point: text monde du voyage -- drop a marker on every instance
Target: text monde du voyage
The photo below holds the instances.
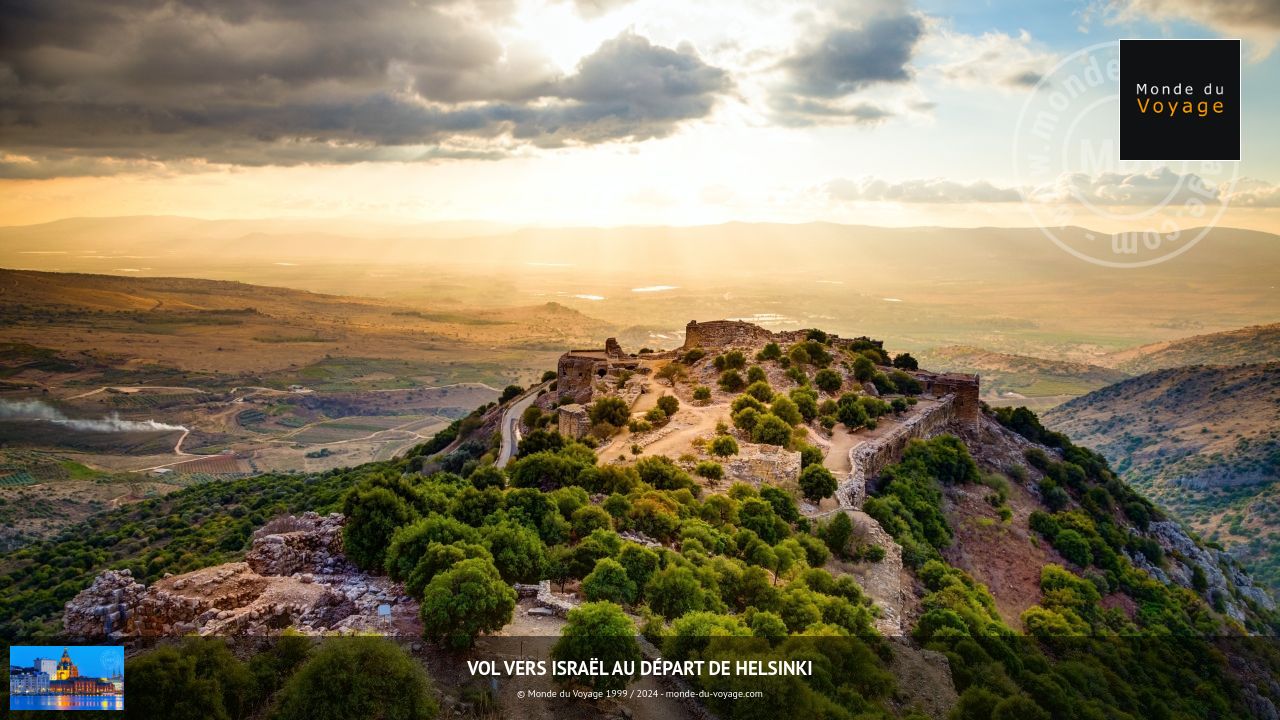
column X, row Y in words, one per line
column 1179, row 99
column 643, row 668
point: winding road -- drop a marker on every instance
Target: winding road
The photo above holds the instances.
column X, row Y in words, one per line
column 511, row 420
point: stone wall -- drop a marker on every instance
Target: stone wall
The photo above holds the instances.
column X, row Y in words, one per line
column 577, row 372
column 869, row 458
column 963, row 386
column 294, row 576
column 572, row 421
column 760, row 465
column 716, row 334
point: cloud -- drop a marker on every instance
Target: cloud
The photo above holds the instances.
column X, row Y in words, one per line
column 1159, row 186
column 1254, row 20
column 992, row 59
column 821, row 76
column 1252, row 193
column 284, row 83
column 849, row 59
column 934, row 190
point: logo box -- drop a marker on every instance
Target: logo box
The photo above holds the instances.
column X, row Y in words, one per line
column 1180, row 100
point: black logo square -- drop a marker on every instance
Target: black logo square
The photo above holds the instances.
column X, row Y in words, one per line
column 1180, row 99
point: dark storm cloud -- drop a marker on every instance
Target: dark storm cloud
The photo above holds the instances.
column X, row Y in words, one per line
column 844, row 61
column 849, row 59
column 86, row 84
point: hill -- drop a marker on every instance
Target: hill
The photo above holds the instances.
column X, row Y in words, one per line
column 1254, row 344
column 1201, row 440
column 1020, row 379
column 934, row 557
column 1009, row 290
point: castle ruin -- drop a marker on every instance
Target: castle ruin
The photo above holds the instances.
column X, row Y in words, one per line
column 578, row 370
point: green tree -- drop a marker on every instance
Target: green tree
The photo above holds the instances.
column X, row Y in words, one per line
column 198, row 679
column 510, row 392
column 609, row 581
column 724, row 446
column 760, row 390
column 702, row 393
column 817, row 482
column 828, row 381
column 357, row 677
column 1073, row 547
column 731, row 381
column 439, row 557
column 904, row 361
column 487, row 476
column 709, row 470
column 863, row 368
column 598, row 631
column 518, row 553
column 785, row 408
column 410, row 542
column 771, row 430
column 669, row 404
column 589, row 518
column 373, row 515
column 756, row 374
column 461, row 603
column 770, row 351
column 675, row 591
column 610, row 409
column 836, row 534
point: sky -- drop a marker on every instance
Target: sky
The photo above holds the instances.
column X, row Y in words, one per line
column 90, row 660
column 602, row 112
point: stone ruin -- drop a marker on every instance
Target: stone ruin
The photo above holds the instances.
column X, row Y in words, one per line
column 294, row 575
column 578, row 371
column 572, row 421
column 718, row 335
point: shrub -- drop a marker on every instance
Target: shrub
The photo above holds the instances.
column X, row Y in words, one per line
column 461, row 603
column 709, row 470
column 755, row 374
column 863, row 368
column 611, row 410
column 598, row 631
column 724, row 446
column 771, row 430
column 770, row 351
column 702, row 393
column 655, row 416
column 817, row 482
column 609, row 581
column 731, row 381
column 662, row 473
column 399, row 690
column 760, row 391
column 828, row 381
column 373, row 515
column 487, row 476
column 669, row 404
column 510, row 392
column 437, row 558
column 1074, row 547
column 785, row 408
column 905, row 362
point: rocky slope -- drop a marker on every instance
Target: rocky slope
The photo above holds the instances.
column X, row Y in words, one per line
column 1201, row 441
